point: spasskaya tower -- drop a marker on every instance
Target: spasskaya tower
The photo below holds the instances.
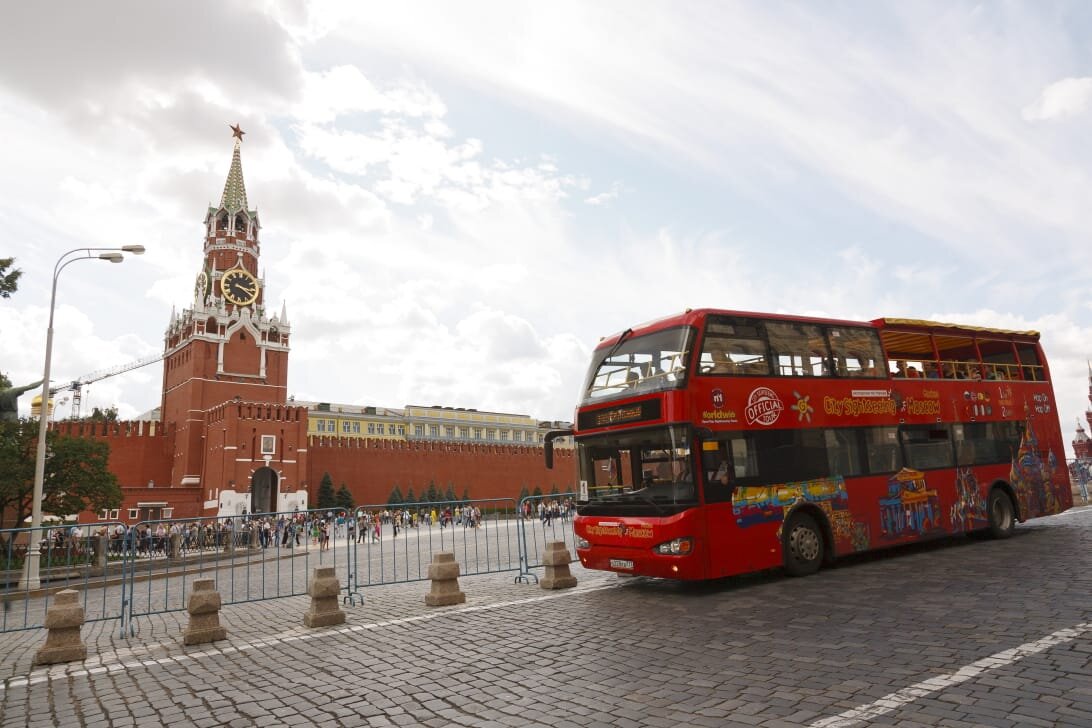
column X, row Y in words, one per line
column 225, row 371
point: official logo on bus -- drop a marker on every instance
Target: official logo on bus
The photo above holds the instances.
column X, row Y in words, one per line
column 763, row 406
column 718, row 398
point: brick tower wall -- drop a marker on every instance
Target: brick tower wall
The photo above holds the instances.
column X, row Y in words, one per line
column 372, row 468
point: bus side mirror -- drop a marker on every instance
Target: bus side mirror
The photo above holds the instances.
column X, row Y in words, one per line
column 548, row 445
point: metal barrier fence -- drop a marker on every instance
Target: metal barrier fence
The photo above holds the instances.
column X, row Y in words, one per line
column 87, row 557
column 127, row 572
column 544, row 518
column 252, row 558
column 481, row 533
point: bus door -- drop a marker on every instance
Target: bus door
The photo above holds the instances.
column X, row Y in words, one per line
column 718, row 483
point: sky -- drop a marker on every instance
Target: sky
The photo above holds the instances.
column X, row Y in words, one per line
column 459, row 199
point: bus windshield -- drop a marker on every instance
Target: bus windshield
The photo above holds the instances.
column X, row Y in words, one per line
column 649, row 468
column 639, row 365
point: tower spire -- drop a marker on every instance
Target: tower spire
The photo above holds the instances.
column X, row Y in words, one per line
column 234, row 197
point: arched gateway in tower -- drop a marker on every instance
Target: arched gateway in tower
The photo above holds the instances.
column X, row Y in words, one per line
column 239, row 445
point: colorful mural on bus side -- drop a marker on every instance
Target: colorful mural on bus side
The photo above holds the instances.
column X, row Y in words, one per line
column 910, row 507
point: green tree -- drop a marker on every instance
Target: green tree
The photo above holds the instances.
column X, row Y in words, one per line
column 449, row 494
column 538, row 492
column 9, row 282
column 524, row 493
column 344, row 498
column 396, row 498
column 433, row 494
column 466, row 494
column 410, row 497
column 110, row 414
column 326, row 497
column 76, row 474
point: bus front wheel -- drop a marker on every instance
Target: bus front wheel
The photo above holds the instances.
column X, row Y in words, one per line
column 1001, row 515
column 803, row 545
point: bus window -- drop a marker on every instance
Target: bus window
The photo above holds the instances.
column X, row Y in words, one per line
column 927, row 446
column 999, row 359
column 734, row 346
column 857, row 352
column 958, row 357
column 797, row 349
column 844, row 451
column 1029, row 361
column 639, row 364
column 882, row 448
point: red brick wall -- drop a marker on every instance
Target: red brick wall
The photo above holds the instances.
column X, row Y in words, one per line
column 371, row 468
column 136, row 454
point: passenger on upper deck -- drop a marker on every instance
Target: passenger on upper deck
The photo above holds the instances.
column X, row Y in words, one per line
column 723, row 364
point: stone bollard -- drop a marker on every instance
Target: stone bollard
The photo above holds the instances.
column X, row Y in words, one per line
column 444, row 572
column 557, row 559
column 174, row 547
column 228, row 536
column 204, row 609
column 254, row 536
column 324, row 589
column 100, row 545
column 63, row 620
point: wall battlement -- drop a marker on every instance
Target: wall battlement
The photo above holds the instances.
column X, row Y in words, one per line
column 100, row 429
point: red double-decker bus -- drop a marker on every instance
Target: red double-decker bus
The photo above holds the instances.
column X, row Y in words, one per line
column 714, row 443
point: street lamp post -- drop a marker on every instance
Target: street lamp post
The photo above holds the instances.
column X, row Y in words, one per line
column 31, row 566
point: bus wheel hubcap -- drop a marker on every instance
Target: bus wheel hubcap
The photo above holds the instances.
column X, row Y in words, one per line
column 805, row 544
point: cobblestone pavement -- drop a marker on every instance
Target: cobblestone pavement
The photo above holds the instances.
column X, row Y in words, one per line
column 964, row 632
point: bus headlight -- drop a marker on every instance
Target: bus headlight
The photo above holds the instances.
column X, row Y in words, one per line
column 582, row 543
column 677, row 547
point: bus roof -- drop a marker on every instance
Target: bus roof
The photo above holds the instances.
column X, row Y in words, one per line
column 692, row 316
column 948, row 328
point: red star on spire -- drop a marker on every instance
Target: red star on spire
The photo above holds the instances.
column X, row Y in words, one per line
column 236, row 131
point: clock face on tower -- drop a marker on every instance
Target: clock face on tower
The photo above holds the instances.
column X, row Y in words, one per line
column 239, row 287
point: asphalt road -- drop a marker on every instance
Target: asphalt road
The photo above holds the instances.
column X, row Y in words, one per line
column 958, row 633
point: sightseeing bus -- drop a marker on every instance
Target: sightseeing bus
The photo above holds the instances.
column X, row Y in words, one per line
column 714, row 443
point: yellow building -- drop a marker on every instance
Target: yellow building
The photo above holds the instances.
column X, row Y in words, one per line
column 415, row 422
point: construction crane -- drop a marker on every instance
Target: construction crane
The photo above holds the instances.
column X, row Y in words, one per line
column 76, row 385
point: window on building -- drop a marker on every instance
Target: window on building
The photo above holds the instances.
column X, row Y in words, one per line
column 490, row 434
column 134, row 514
column 346, row 427
column 402, row 430
column 356, row 428
column 115, row 514
column 380, row 429
column 477, row 433
column 331, row 426
column 168, row 513
column 449, row 432
column 104, row 515
column 464, row 432
column 320, row 425
column 504, row 435
column 419, row 430
column 371, row 428
column 433, row 430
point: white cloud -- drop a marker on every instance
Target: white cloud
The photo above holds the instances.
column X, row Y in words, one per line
column 1068, row 97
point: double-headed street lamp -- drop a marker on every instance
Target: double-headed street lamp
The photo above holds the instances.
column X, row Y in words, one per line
column 31, row 567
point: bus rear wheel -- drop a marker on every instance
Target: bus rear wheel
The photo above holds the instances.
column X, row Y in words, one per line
column 1000, row 512
column 802, row 545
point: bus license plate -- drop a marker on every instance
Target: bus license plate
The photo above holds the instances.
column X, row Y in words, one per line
column 621, row 564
